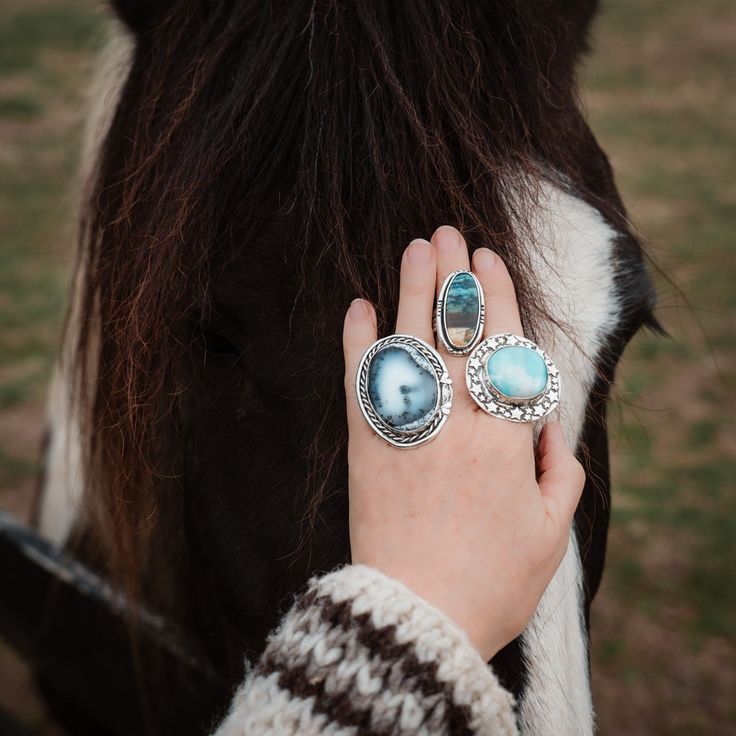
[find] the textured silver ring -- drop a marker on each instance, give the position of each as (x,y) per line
(404,390)
(459,313)
(512,378)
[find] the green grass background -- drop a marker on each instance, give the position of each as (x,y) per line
(659,88)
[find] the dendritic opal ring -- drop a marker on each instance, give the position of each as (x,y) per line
(404,390)
(512,378)
(460,313)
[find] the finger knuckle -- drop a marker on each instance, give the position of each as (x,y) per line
(414,289)
(502,276)
(577,471)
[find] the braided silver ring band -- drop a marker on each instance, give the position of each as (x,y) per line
(404,390)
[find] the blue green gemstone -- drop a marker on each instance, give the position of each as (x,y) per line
(517,372)
(461,310)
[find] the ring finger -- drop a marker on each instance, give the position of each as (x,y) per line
(502,309)
(502,315)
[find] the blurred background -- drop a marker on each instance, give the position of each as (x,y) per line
(659,89)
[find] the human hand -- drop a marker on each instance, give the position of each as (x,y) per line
(467,521)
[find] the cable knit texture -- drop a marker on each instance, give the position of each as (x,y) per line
(359,653)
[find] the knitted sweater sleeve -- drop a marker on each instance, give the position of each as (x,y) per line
(359,653)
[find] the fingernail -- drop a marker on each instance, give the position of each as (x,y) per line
(419,251)
(484,259)
(448,239)
(358,309)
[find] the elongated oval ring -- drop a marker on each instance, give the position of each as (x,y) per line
(404,390)
(512,378)
(460,313)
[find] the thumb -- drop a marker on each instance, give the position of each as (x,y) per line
(561,476)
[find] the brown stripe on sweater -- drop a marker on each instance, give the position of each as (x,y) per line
(381,642)
(384,643)
(338,708)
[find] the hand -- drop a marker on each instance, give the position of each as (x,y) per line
(465,521)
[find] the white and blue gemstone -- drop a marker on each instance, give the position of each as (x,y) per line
(517,372)
(404,390)
(402,387)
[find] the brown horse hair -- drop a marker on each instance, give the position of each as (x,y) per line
(357,126)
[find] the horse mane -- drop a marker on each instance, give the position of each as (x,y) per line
(342,129)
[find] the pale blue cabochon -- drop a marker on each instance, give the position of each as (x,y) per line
(402,387)
(517,372)
(461,310)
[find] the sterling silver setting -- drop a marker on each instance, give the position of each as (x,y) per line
(440,316)
(499,405)
(428,359)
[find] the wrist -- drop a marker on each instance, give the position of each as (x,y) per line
(484,625)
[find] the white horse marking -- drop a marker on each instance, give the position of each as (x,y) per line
(61,500)
(573,259)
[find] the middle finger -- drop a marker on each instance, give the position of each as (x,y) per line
(452,255)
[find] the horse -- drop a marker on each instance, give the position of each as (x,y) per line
(249,169)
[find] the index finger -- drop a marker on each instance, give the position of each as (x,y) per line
(359,333)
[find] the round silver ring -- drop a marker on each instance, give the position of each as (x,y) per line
(460,300)
(529,404)
(385,382)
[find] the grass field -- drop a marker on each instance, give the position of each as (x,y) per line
(659,90)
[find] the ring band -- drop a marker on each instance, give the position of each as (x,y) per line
(460,313)
(512,378)
(404,390)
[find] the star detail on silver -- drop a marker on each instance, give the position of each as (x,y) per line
(491,400)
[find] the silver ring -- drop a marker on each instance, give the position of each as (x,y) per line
(404,390)
(460,313)
(512,378)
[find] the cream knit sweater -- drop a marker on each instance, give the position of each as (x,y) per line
(359,653)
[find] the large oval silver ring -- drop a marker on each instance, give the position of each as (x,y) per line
(404,390)
(512,378)
(460,313)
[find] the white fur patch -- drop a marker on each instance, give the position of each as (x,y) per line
(63,485)
(572,257)
(61,496)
